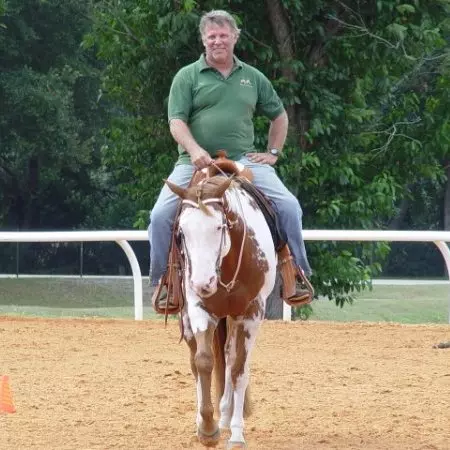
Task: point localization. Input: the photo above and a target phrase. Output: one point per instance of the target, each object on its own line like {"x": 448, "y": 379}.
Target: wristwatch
{"x": 274, "y": 152}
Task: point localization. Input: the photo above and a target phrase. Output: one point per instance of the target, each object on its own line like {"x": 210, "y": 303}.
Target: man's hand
{"x": 182, "y": 134}
{"x": 262, "y": 158}
{"x": 200, "y": 159}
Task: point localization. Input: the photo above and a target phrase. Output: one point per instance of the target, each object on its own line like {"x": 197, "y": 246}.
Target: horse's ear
{"x": 220, "y": 190}
{"x": 181, "y": 192}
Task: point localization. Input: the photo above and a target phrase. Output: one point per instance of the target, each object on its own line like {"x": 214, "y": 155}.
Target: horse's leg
{"x": 192, "y": 344}
{"x": 226, "y": 402}
{"x": 203, "y": 327}
{"x": 241, "y": 346}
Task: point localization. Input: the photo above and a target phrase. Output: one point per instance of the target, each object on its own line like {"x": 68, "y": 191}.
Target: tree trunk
{"x": 314, "y": 55}
{"x": 31, "y": 212}
{"x": 396, "y": 222}
{"x": 282, "y": 32}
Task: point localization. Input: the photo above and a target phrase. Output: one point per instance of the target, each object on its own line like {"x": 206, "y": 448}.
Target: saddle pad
{"x": 268, "y": 209}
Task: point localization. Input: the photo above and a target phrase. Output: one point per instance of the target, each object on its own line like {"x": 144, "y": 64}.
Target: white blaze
{"x": 203, "y": 235}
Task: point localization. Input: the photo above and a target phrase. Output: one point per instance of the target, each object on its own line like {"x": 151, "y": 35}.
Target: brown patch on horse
{"x": 241, "y": 355}
{"x": 261, "y": 263}
{"x": 192, "y": 344}
{"x": 254, "y": 310}
{"x": 252, "y": 272}
{"x": 204, "y": 362}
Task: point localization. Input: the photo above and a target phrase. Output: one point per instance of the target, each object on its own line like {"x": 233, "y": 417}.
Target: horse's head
{"x": 204, "y": 231}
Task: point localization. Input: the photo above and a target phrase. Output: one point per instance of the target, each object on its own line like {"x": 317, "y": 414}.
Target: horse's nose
{"x": 205, "y": 289}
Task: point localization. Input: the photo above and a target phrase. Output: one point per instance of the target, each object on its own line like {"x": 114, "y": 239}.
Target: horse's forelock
{"x": 208, "y": 188}
{"x": 203, "y": 208}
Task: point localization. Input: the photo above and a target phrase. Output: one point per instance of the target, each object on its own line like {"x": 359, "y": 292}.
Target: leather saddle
{"x": 244, "y": 176}
{"x": 222, "y": 165}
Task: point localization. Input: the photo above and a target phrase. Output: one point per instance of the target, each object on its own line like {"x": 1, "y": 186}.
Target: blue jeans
{"x": 265, "y": 178}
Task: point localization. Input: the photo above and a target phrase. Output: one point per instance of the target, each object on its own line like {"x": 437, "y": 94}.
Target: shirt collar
{"x": 237, "y": 63}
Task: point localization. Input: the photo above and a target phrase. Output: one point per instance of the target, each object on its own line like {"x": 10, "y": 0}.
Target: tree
{"x": 426, "y": 204}
{"x": 50, "y": 119}
{"x": 51, "y": 174}
{"x": 358, "y": 129}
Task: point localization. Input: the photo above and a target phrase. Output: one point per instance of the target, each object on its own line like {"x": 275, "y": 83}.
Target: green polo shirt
{"x": 218, "y": 110}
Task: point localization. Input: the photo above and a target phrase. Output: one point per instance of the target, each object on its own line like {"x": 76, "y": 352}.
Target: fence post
{"x": 17, "y": 259}
{"x": 81, "y": 259}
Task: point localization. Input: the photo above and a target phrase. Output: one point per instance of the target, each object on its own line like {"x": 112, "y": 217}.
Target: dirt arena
{"x": 117, "y": 384}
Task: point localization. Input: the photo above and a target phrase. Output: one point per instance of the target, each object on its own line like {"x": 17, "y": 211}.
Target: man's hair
{"x": 218, "y": 17}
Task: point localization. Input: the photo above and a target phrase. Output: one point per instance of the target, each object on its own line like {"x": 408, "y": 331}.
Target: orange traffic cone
{"x": 6, "y": 402}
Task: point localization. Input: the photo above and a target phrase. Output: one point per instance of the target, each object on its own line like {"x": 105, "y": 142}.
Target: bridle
{"x": 227, "y": 224}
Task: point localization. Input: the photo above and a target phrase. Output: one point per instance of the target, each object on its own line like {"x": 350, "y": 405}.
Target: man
{"x": 211, "y": 107}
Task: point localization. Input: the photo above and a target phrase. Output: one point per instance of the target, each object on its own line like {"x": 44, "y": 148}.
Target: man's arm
{"x": 277, "y": 137}
{"x": 182, "y": 134}
{"x": 278, "y": 131}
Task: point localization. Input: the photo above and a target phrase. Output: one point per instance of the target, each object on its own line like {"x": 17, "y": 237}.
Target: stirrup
{"x": 162, "y": 303}
{"x": 304, "y": 294}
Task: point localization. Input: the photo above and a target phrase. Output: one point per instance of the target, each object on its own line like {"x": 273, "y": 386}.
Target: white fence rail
{"x": 439, "y": 238}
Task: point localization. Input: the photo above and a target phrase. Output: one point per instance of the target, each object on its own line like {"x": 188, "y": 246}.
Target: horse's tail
{"x": 220, "y": 339}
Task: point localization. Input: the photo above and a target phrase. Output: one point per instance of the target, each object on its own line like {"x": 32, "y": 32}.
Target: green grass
{"x": 62, "y": 297}
{"x": 71, "y": 297}
{"x": 404, "y": 304}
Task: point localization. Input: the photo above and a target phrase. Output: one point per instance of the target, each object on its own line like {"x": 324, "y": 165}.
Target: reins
{"x": 231, "y": 284}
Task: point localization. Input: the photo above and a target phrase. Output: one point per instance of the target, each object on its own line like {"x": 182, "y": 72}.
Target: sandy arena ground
{"x": 117, "y": 384}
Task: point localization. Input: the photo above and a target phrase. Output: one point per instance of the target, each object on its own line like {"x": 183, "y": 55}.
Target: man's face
{"x": 219, "y": 42}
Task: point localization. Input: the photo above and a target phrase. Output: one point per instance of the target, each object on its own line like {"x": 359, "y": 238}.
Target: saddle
{"x": 225, "y": 166}
{"x": 173, "y": 279}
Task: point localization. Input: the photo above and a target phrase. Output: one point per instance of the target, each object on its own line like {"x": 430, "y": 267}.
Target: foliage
{"x": 50, "y": 117}
{"x": 138, "y": 72}
{"x": 51, "y": 174}
{"x": 368, "y": 119}
{"x": 302, "y": 312}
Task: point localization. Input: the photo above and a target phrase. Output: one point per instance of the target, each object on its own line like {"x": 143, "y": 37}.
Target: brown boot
{"x": 304, "y": 292}
{"x": 296, "y": 290}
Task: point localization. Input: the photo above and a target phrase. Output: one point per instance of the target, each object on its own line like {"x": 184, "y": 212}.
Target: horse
{"x": 229, "y": 271}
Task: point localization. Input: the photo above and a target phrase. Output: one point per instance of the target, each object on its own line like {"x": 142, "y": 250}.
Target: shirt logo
{"x": 245, "y": 82}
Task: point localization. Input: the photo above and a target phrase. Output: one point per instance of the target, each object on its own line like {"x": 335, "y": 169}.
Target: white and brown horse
{"x": 229, "y": 271}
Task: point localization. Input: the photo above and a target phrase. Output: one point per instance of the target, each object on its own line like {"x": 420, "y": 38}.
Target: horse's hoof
{"x": 209, "y": 440}
{"x": 236, "y": 445}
